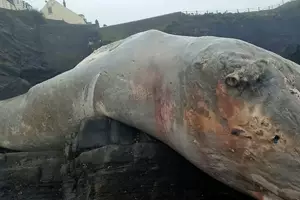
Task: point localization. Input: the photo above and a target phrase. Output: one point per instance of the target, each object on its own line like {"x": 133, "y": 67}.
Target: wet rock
{"x": 30, "y": 176}
{"x": 129, "y": 165}
{"x": 133, "y": 165}
{"x": 98, "y": 133}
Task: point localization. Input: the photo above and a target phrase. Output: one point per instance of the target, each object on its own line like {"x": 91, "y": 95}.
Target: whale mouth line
{"x": 270, "y": 191}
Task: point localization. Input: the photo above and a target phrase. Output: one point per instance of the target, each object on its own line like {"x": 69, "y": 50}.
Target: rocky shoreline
{"x": 110, "y": 161}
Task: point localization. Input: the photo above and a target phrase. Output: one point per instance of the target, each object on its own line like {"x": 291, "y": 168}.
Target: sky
{"x": 112, "y": 12}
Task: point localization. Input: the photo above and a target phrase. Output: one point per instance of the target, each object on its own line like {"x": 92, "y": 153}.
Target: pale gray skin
{"x": 229, "y": 107}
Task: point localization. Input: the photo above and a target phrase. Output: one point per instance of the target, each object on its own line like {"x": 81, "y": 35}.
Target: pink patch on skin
{"x": 163, "y": 105}
{"x": 228, "y": 107}
{"x": 258, "y": 195}
{"x": 163, "y": 110}
{"x": 148, "y": 84}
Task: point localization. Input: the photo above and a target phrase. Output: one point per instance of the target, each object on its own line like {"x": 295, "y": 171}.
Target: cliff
{"x": 34, "y": 49}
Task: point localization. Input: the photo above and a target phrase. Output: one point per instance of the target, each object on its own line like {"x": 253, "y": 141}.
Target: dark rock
{"x": 133, "y": 169}
{"x": 148, "y": 170}
{"x": 120, "y": 133}
{"x": 107, "y": 154}
{"x": 95, "y": 134}
{"x": 133, "y": 165}
{"x": 30, "y": 176}
{"x": 98, "y": 133}
{"x": 13, "y": 86}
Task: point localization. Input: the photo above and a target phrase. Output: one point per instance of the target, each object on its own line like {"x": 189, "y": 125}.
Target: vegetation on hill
{"x": 276, "y": 30}
{"x": 28, "y": 17}
{"x": 34, "y": 49}
{"x": 291, "y": 7}
{"x": 120, "y": 31}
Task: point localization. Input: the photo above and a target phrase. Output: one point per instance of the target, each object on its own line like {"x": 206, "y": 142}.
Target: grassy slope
{"x": 275, "y": 30}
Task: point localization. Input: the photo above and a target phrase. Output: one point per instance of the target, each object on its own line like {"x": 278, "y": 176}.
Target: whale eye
{"x": 236, "y": 131}
{"x": 275, "y": 139}
{"x": 232, "y": 80}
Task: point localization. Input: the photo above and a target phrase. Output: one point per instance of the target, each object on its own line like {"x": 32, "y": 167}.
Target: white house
{"x": 56, "y": 11}
{"x": 15, "y": 5}
{"x": 7, "y": 5}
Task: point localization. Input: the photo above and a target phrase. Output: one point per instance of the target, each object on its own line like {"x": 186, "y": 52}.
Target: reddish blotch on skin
{"x": 258, "y": 195}
{"x": 203, "y": 120}
{"x": 228, "y": 107}
{"x": 199, "y": 117}
{"x": 148, "y": 84}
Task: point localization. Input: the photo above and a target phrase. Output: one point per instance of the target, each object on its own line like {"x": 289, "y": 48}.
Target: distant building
{"x": 7, "y": 5}
{"x": 15, "y": 5}
{"x": 56, "y": 11}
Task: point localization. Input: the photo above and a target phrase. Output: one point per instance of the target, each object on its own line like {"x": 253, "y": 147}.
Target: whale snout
{"x": 281, "y": 164}
{"x": 249, "y": 132}
{"x": 283, "y": 176}
{"x": 270, "y": 119}
{"x": 271, "y": 122}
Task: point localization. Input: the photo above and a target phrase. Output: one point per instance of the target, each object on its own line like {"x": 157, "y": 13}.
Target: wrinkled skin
{"x": 229, "y": 107}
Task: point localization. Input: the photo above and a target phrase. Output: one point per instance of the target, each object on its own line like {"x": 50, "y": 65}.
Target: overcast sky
{"x": 119, "y": 11}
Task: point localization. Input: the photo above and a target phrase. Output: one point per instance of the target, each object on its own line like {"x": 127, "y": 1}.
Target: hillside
{"x": 276, "y": 30}
{"x": 34, "y": 49}
{"x": 120, "y": 31}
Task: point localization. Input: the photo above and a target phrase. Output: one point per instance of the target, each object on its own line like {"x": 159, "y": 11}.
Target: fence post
{"x": 248, "y": 9}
